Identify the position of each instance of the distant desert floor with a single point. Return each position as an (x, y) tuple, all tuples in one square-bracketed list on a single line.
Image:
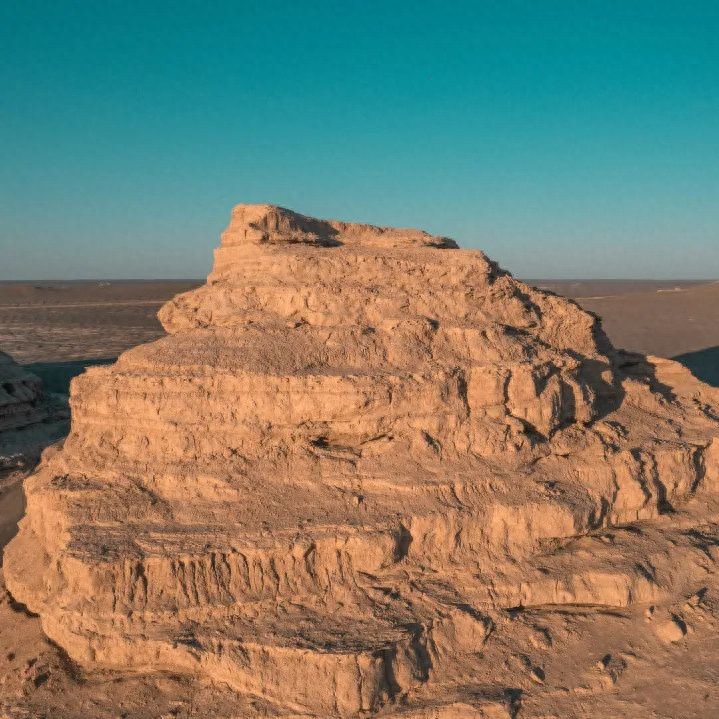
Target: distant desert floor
[(660, 318), (60, 327), (672, 319), (67, 321)]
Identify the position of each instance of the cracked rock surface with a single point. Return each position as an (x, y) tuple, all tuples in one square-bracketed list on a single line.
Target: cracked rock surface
[(367, 473)]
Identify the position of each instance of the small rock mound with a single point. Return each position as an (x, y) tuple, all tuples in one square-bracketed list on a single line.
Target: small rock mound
[(20, 395), (359, 461), (30, 419)]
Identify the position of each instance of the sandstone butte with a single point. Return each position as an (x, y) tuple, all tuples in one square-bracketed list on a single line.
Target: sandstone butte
[(368, 472)]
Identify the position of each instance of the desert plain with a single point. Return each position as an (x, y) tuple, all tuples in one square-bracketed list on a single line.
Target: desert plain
[(339, 530)]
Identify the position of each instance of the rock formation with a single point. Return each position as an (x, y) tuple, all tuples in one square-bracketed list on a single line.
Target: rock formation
[(20, 395), (370, 472), (29, 418)]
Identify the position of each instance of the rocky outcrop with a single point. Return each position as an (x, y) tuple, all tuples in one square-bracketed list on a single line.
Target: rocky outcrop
[(30, 419), (20, 395), (356, 471)]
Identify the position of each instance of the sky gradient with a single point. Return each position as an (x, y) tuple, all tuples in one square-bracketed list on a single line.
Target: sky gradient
[(566, 139)]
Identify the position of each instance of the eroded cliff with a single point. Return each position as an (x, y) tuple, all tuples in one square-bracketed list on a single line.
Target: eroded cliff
[(365, 473)]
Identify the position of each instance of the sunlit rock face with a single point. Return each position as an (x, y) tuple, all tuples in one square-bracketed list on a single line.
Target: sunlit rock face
[(357, 469)]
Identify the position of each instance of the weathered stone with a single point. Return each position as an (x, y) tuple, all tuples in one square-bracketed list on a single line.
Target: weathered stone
[(345, 466)]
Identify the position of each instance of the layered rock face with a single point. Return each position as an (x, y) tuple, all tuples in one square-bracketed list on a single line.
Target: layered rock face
[(361, 464)]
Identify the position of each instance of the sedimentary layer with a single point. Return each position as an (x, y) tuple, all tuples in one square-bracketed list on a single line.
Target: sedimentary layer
[(355, 470)]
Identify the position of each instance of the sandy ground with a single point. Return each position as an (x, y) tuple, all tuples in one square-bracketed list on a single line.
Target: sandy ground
[(60, 327)]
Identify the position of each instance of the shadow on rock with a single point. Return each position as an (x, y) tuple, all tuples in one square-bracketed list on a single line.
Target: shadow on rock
[(56, 376), (703, 364)]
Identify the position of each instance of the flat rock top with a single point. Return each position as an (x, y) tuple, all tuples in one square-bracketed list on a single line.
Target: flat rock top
[(259, 224)]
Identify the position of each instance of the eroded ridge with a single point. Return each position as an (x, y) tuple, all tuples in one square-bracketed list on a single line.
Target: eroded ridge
[(357, 467)]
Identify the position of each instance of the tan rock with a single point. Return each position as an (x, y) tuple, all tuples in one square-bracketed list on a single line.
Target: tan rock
[(360, 452)]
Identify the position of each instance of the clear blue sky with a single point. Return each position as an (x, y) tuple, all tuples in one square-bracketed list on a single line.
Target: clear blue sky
[(573, 138)]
